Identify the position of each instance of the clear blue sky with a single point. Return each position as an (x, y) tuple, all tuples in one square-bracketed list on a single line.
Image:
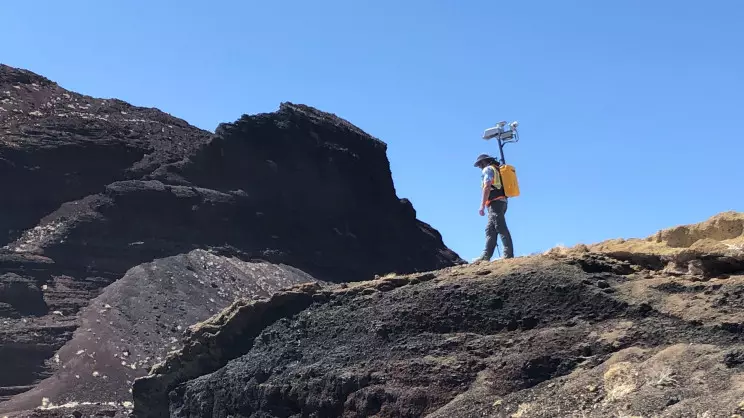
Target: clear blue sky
[(630, 110)]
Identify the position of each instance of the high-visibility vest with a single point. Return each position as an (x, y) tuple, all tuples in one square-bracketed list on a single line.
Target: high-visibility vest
[(504, 183)]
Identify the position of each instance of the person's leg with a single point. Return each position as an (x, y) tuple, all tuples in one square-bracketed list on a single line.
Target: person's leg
[(491, 235), (503, 229)]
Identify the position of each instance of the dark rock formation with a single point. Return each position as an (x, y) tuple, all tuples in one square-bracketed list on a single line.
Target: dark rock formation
[(570, 333), (225, 337), (626, 328), (299, 186), (275, 193), (58, 146), (95, 187), (315, 190), (20, 296), (400, 346), (141, 317)]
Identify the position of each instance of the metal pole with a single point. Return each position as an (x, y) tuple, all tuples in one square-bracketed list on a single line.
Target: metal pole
[(501, 150)]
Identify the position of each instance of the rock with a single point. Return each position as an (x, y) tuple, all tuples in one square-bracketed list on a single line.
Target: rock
[(336, 338), (94, 188), (22, 294), (77, 146), (232, 274), (129, 339), (444, 334), (734, 358), (214, 342)]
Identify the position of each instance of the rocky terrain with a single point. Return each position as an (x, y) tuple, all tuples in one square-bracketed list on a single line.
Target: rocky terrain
[(637, 328), (139, 318), (108, 210), (153, 269), (58, 146)]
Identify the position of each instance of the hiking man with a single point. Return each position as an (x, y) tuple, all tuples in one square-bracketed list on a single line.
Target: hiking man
[(494, 198)]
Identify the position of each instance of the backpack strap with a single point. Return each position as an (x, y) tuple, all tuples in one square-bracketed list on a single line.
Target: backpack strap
[(496, 172)]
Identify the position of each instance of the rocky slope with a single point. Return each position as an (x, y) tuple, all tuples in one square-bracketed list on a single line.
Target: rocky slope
[(138, 319), (93, 188), (297, 185), (610, 330), (126, 232), (58, 146)]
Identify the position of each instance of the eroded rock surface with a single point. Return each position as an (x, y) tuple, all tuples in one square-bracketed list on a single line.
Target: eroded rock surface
[(566, 334), (94, 187), (141, 317), (58, 146)]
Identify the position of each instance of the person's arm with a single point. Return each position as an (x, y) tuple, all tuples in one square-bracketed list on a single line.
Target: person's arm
[(484, 197), (488, 178)]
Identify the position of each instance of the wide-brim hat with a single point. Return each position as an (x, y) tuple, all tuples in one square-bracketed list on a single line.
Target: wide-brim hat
[(481, 158)]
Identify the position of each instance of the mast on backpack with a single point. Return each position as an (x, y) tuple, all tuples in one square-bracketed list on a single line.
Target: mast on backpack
[(502, 136)]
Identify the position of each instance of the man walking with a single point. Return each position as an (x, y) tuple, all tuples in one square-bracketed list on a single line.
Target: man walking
[(494, 198)]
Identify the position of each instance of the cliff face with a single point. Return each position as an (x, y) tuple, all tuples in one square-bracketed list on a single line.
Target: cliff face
[(316, 190), (93, 188), (102, 183), (613, 329)]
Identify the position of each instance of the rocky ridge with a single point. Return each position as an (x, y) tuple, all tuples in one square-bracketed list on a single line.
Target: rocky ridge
[(95, 188), (604, 330), (59, 146)]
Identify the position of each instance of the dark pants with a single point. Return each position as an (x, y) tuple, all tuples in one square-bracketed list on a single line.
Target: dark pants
[(497, 226)]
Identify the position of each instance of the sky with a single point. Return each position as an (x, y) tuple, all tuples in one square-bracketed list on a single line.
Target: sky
[(629, 111)]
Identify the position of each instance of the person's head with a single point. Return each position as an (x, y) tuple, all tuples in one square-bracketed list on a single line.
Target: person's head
[(484, 160)]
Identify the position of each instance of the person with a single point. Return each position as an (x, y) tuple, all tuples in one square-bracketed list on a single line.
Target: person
[(493, 198)]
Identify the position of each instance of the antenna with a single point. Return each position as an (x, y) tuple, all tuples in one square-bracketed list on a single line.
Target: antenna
[(502, 136)]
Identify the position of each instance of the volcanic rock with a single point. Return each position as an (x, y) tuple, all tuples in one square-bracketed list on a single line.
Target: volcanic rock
[(94, 188), (708, 249), (137, 320), (58, 146), (227, 274), (528, 337)]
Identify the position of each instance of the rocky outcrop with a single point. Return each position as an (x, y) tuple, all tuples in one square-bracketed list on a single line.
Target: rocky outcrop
[(314, 191), (568, 333), (213, 343), (710, 248), (230, 334), (141, 317), (298, 186), (58, 146), (136, 230), (96, 187)]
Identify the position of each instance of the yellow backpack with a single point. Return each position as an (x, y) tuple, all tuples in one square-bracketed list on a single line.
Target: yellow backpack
[(509, 180)]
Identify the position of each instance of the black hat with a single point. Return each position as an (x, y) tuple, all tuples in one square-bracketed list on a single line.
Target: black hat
[(484, 157)]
